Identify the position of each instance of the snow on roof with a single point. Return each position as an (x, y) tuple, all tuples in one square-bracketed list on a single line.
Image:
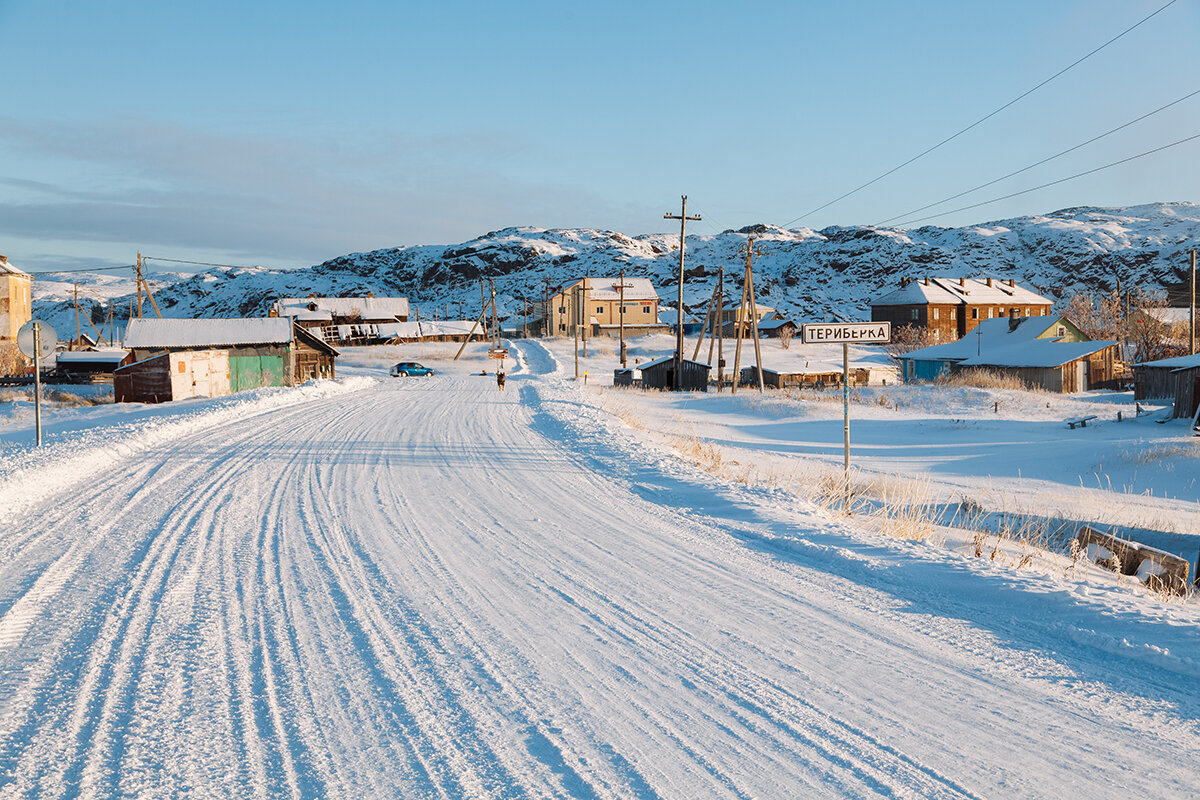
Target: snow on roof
[(1171, 316), (369, 308), (973, 291), (664, 359), (636, 289), (772, 324), (994, 344), (399, 330), (1179, 362), (92, 356), (8, 269), (173, 333)]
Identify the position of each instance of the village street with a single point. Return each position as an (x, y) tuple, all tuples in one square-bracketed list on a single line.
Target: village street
[(425, 587)]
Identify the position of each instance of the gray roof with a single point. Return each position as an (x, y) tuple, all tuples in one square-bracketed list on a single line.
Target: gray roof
[(151, 334), (994, 344), (973, 291)]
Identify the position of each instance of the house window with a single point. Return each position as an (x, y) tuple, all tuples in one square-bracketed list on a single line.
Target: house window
[(562, 326), (562, 309), (974, 313), (1000, 312), (645, 309), (599, 309), (937, 313), (916, 313), (954, 313), (1062, 330)]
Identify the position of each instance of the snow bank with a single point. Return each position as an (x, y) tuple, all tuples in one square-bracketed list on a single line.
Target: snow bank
[(29, 478)]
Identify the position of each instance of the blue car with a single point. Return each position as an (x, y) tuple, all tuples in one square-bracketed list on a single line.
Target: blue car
[(409, 368)]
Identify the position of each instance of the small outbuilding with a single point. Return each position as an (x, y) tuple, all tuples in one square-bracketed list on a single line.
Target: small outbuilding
[(1175, 379), (660, 374), (255, 352), (90, 365), (1045, 352)]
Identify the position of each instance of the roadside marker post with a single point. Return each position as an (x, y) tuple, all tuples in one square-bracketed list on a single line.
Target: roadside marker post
[(37, 340), (846, 332)]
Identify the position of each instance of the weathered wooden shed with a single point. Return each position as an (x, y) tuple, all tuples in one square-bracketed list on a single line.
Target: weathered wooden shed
[(1156, 380), (173, 376), (660, 374), (265, 351), (90, 365)]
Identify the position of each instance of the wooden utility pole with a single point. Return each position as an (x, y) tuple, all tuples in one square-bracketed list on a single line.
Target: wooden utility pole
[(586, 298), (683, 221), (482, 318), (737, 353), (483, 301), (621, 316), (750, 253), (712, 303), (546, 319), (139, 285), (720, 326), (495, 321), (77, 331), (1192, 311), (575, 325)]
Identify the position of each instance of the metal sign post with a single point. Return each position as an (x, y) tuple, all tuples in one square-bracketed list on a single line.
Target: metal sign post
[(37, 340), (846, 332)]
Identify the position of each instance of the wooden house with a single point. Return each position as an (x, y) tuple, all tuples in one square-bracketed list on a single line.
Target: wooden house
[(343, 319), (256, 352), (660, 374), (950, 308), (1050, 353), (1187, 389)]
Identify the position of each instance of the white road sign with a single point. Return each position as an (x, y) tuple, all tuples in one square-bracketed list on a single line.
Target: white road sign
[(48, 336), (846, 332)]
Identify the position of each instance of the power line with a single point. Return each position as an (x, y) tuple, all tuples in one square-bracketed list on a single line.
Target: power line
[(983, 119), (1043, 161), (70, 271), (1051, 183), (196, 263)]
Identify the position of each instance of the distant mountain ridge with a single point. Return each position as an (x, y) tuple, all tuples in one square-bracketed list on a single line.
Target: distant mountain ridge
[(807, 274)]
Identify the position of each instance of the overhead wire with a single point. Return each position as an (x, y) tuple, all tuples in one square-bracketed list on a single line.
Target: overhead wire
[(1043, 161), (1052, 183), (988, 116)]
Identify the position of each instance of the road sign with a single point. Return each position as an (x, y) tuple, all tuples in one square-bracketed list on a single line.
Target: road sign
[(48, 336), (846, 332), (500, 353)]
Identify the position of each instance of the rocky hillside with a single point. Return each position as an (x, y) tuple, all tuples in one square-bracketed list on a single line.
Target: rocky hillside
[(809, 274)]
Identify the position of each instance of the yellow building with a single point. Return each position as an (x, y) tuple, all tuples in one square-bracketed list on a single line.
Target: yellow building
[(595, 305), (16, 303)]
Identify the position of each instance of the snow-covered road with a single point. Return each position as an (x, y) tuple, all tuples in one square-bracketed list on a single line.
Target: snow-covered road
[(428, 588)]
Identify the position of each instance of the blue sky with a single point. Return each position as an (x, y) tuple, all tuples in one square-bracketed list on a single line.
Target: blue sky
[(285, 134)]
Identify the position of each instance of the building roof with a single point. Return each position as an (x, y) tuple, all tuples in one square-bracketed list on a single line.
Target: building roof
[(973, 291), (168, 334), (92, 357), (369, 308), (636, 289), (8, 269), (665, 359), (772, 324), (1170, 316), (994, 343), (1179, 362)]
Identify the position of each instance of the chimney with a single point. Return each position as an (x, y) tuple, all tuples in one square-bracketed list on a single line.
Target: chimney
[(3, 259), (926, 280), (989, 280), (1012, 282), (370, 294), (962, 281), (1014, 318)]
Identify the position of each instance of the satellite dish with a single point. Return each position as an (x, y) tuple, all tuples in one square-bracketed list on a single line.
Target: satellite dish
[(49, 339)]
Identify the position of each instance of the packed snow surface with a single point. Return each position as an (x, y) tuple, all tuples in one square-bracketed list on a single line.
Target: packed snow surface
[(426, 587)]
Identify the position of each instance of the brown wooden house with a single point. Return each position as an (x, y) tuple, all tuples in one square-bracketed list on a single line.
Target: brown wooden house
[(949, 308)]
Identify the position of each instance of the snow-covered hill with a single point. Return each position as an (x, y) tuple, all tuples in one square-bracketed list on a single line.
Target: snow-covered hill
[(806, 273)]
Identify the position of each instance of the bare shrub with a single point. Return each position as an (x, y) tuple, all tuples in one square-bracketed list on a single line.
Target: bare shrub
[(905, 339), (11, 360), (984, 379)]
